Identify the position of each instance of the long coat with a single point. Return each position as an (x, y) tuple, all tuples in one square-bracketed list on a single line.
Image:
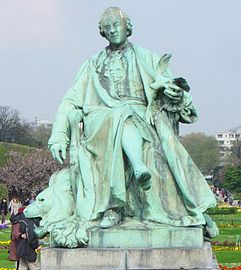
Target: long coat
[(15, 233), (179, 193)]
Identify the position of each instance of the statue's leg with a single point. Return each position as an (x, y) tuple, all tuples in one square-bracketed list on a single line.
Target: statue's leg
[(132, 145)]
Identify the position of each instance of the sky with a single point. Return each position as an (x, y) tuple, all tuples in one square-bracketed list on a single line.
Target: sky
[(44, 42)]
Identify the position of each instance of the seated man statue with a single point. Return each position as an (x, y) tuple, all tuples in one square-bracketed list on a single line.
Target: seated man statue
[(128, 162)]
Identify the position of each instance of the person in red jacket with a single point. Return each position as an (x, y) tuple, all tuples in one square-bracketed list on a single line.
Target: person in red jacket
[(24, 242), (15, 234)]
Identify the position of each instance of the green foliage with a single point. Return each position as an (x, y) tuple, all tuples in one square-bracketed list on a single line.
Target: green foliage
[(13, 129), (3, 156), (5, 148), (41, 135), (222, 211), (203, 149), (232, 178), (23, 149), (3, 191), (237, 196), (236, 150)]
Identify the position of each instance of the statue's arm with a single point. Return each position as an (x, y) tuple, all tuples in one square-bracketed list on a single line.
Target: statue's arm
[(173, 93), (160, 85), (165, 82), (61, 135)]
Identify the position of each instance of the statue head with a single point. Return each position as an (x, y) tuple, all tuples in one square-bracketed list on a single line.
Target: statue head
[(115, 26)]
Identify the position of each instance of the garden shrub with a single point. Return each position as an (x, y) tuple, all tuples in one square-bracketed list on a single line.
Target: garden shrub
[(3, 191), (222, 211)]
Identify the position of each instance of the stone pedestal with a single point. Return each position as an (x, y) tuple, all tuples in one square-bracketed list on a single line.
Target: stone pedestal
[(135, 246), (128, 259)]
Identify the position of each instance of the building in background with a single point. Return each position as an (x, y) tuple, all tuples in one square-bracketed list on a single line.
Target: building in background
[(41, 123), (226, 140)]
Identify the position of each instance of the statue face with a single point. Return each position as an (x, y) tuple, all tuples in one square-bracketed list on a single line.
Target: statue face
[(115, 30)]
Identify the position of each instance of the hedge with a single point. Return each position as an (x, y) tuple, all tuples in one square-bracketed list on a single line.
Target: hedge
[(3, 191), (222, 211)]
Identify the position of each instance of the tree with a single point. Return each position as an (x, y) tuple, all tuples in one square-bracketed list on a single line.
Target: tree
[(203, 149), (9, 122), (233, 155), (41, 135), (236, 150), (232, 178), (13, 129), (28, 173)]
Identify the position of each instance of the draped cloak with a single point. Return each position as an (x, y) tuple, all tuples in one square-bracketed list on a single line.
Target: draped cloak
[(104, 177)]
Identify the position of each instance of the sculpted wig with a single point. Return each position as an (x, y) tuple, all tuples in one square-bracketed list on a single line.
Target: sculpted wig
[(115, 11)]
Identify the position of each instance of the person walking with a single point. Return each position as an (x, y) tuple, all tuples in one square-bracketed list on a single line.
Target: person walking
[(15, 234), (14, 205), (4, 210), (28, 245)]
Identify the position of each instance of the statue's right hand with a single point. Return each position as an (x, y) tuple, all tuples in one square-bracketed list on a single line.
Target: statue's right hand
[(58, 151)]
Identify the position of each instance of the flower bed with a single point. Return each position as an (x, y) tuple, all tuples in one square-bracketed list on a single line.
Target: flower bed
[(229, 226), (222, 248), (3, 226), (225, 267), (224, 243), (5, 243)]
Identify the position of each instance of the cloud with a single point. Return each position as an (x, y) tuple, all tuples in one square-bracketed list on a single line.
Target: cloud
[(30, 23)]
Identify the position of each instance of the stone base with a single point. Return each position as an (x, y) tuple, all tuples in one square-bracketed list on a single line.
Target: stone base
[(135, 234), (128, 259)]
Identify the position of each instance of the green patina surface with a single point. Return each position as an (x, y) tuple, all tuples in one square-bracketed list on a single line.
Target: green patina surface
[(126, 160), (146, 235)]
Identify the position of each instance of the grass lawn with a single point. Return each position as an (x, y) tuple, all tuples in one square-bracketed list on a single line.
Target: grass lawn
[(227, 219), (228, 234), (225, 257), (5, 234), (4, 262)]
